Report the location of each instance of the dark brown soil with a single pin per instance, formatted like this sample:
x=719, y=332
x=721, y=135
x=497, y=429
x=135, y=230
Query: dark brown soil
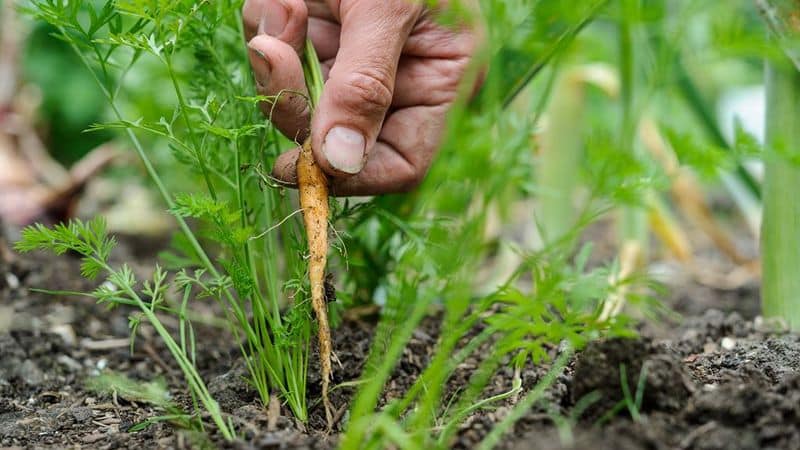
x=719, y=380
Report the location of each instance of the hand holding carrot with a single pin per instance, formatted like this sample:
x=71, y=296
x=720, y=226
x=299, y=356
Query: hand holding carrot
x=391, y=73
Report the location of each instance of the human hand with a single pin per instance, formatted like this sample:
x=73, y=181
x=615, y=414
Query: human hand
x=391, y=72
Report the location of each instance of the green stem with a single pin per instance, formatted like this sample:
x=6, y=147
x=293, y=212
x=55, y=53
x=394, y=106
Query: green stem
x=184, y=107
x=379, y=367
x=313, y=74
x=524, y=406
x=556, y=48
x=633, y=219
x=239, y=313
x=560, y=153
x=189, y=371
x=780, y=234
x=148, y=165
x=263, y=345
x=270, y=241
x=699, y=107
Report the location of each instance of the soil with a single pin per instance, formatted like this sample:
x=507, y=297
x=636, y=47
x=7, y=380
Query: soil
x=720, y=379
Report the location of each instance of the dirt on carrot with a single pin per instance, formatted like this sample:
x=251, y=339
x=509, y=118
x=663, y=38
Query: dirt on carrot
x=313, y=187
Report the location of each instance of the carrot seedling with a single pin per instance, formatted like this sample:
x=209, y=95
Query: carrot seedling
x=218, y=144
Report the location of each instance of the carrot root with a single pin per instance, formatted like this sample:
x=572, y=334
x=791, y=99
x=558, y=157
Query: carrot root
x=313, y=187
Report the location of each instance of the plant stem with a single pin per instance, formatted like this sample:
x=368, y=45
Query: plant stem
x=378, y=368
x=193, y=378
x=239, y=313
x=697, y=104
x=312, y=73
x=524, y=405
x=560, y=153
x=780, y=233
x=562, y=146
x=556, y=48
x=148, y=165
x=633, y=219
x=741, y=179
x=184, y=107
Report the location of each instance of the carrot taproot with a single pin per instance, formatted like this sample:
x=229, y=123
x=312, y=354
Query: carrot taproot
x=313, y=186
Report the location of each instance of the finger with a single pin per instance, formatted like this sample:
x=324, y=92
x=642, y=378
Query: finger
x=427, y=81
x=385, y=172
x=324, y=34
x=418, y=147
x=433, y=39
x=285, y=168
x=360, y=84
x=286, y=20
x=279, y=74
x=428, y=39
x=398, y=162
x=252, y=12
x=320, y=9
x=424, y=81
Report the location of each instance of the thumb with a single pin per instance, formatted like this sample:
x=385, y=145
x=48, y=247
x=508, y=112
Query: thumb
x=360, y=84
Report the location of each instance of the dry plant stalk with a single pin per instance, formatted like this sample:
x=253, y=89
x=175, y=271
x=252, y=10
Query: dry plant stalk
x=665, y=227
x=313, y=187
x=688, y=195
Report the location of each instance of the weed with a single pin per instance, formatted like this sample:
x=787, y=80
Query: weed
x=633, y=403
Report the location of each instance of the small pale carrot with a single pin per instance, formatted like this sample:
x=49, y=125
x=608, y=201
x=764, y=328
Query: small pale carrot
x=313, y=187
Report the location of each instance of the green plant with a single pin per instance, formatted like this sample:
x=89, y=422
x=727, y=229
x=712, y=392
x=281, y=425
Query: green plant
x=220, y=139
x=633, y=403
x=780, y=233
x=566, y=425
x=90, y=241
x=562, y=146
x=516, y=325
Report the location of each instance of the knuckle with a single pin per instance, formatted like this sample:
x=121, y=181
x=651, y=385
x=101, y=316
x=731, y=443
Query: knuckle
x=370, y=91
x=404, y=6
x=406, y=10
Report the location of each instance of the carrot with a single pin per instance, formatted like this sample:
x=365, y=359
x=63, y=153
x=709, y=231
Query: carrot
x=313, y=187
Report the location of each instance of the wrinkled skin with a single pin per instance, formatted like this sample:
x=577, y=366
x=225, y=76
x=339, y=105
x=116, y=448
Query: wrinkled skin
x=391, y=75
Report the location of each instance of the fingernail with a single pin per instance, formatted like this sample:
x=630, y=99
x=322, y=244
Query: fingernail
x=274, y=20
x=344, y=149
x=260, y=63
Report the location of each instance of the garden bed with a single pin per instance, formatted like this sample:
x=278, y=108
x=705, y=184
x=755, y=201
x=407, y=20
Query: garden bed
x=719, y=380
